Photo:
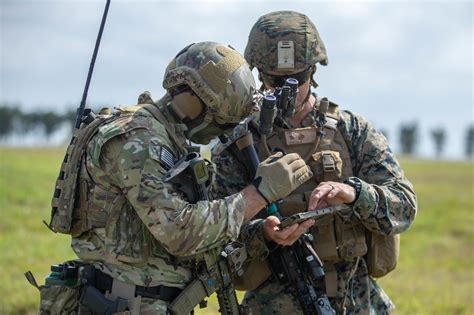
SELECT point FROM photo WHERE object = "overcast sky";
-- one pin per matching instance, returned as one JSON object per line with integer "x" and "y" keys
{"x": 393, "y": 62}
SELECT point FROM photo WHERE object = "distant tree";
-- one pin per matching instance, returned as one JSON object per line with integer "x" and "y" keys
{"x": 69, "y": 117}
{"x": 15, "y": 121}
{"x": 8, "y": 118}
{"x": 51, "y": 122}
{"x": 470, "y": 142}
{"x": 439, "y": 137}
{"x": 409, "y": 138}
{"x": 29, "y": 121}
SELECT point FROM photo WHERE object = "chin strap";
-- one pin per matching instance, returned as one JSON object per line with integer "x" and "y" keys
{"x": 205, "y": 123}
{"x": 313, "y": 83}
{"x": 304, "y": 102}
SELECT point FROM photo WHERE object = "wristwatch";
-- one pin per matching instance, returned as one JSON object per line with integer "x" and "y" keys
{"x": 354, "y": 182}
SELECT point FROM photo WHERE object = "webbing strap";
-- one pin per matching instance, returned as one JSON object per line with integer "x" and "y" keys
{"x": 330, "y": 280}
{"x": 31, "y": 279}
{"x": 330, "y": 130}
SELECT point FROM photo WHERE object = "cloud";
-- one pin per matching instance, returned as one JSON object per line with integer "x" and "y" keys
{"x": 389, "y": 61}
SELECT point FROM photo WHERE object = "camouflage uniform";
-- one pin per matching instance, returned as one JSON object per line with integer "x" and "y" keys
{"x": 281, "y": 44}
{"x": 127, "y": 220}
{"x": 147, "y": 222}
{"x": 387, "y": 205}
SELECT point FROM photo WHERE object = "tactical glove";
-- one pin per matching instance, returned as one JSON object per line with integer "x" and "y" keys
{"x": 279, "y": 175}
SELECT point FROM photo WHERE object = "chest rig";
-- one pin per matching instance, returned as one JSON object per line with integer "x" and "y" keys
{"x": 337, "y": 237}
{"x": 80, "y": 204}
{"x": 328, "y": 156}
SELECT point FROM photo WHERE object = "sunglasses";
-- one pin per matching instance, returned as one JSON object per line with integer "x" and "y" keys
{"x": 279, "y": 80}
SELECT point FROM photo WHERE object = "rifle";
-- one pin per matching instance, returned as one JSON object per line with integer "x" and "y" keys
{"x": 213, "y": 268}
{"x": 297, "y": 266}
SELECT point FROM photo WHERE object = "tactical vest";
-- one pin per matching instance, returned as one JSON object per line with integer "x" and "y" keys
{"x": 66, "y": 192}
{"x": 338, "y": 237}
{"x": 80, "y": 205}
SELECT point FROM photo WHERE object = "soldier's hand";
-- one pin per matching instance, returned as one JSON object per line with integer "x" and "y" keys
{"x": 279, "y": 175}
{"x": 331, "y": 193}
{"x": 288, "y": 235}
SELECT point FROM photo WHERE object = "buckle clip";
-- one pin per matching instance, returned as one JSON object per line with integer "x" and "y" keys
{"x": 328, "y": 162}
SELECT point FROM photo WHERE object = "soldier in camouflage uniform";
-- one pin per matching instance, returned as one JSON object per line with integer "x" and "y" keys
{"x": 138, "y": 230}
{"x": 352, "y": 164}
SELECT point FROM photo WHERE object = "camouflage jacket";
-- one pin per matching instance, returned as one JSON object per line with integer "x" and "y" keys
{"x": 144, "y": 223}
{"x": 386, "y": 205}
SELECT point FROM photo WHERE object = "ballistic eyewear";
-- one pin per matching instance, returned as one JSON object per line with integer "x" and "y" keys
{"x": 279, "y": 80}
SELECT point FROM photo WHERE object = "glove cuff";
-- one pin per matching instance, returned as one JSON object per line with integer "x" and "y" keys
{"x": 256, "y": 182}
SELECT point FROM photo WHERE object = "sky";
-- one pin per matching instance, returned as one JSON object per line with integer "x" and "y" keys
{"x": 394, "y": 62}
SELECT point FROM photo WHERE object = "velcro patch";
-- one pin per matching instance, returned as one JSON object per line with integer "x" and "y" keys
{"x": 167, "y": 157}
{"x": 300, "y": 136}
{"x": 218, "y": 74}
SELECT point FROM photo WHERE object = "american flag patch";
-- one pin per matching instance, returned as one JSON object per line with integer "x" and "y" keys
{"x": 167, "y": 157}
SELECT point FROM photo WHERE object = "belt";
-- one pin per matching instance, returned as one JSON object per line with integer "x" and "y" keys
{"x": 103, "y": 282}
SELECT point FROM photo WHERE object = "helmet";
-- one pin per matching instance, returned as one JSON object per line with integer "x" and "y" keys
{"x": 218, "y": 75}
{"x": 284, "y": 42}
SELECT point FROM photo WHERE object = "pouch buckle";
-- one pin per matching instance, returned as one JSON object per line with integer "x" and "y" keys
{"x": 328, "y": 162}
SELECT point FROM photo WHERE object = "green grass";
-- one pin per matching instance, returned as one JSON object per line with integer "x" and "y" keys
{"x": 27, "y": 178}
{"x": 435, "y": 274}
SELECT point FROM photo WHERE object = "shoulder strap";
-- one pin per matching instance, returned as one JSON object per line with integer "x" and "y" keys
{"x": 332, "y": 118}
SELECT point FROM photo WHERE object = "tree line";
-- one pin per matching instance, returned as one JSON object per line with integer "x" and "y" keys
{"x": 409, "y": 137}
{"x": 14, "y": 121}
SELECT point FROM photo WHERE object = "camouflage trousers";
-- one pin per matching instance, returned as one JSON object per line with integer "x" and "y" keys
{"x": 360, "y": 295}
{"x": 150, "y": 307}
{"x": 55, "y": 300}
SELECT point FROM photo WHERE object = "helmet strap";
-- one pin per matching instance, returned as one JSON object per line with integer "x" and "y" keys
{"x": 313, "y": 83}
{"x": 203, "y": 124}
{"x": 304, "y": 102}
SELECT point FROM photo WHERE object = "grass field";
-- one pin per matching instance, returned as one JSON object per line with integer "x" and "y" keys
{"x": 435, "y": 274}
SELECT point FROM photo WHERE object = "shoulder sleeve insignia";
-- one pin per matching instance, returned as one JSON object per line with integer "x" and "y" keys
{"x": 167, "y": 157}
